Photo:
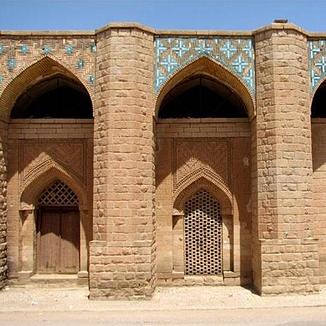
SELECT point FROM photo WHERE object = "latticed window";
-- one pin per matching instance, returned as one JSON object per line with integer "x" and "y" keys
{"x": 58, "y": 194}
{"x": 203, "y": 235}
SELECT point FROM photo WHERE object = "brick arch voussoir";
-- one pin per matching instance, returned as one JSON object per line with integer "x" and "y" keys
{"x": 214, "y": 69}
{"x": 39, "y": 68}
{"x": 43, "y": 178}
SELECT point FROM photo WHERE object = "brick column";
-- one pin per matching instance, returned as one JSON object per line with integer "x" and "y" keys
{"x": 3, "y": 205}
{"x": 285, "y": 251}
{"x": 122, "y": 256}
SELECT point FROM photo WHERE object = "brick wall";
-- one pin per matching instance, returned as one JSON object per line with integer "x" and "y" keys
{"x": 3, "y": 206}
{"x": 319, "y": 190}
{"x": 50, "y": 129}
{"x": 123, "y": 257}
{"x": 284, "y": 163}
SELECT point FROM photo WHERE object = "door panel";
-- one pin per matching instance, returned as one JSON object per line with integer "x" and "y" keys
{"x": 58, "y": 241}
{"x": 69, "y": 262}
{"x": 49, "y": 241}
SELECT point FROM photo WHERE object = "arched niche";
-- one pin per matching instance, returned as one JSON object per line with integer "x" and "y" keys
{"x": 53, "y": 97}
{"x": 218, "y": 80}
{"x": 29, "y": 205}
{"x": 230, "y": 222}
{"x": 43, "y": 69}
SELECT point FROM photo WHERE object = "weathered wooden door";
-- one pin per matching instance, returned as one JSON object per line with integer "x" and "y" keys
{"x": 58, "y": 239}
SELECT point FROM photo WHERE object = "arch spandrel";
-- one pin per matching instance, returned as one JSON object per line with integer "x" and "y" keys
{"x": 207, "y": 66}
{"x": 41, "y": 67}
{"x": 235, "y": 55}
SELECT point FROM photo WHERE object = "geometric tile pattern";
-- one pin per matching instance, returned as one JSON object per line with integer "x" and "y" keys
{"x": 15, "y": 55}
{"x": 236, "y": 54}
{"x": 317, "y": 62}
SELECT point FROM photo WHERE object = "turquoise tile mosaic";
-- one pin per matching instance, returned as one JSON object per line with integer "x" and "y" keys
{"x": 69, "y": 49}
{"x": 91, "y": 79}
{"x": 11, "y": 64}
{"x": 80, "y": 63}
{"x": 47, "y": 49}
{"x": 317, "y": 62}
{"x": 23, "y": 49}
{"x": 172, "y": 54}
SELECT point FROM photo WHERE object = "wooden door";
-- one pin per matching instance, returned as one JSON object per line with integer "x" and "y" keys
{"x": 58, "y": 239}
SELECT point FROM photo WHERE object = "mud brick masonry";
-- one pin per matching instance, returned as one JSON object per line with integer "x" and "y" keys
{"x": 132, "y": 157}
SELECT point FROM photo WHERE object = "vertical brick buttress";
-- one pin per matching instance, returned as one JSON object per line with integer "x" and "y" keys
{"x": 122, "y": 256}
{"x": 285, "y": 253}
{"x": 3, "y": 205}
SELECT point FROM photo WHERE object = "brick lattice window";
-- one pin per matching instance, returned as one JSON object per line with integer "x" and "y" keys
{"x": 58, "y": 194}
{"x": 203, "y": 235}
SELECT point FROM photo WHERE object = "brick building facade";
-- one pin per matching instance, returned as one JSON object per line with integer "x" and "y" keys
{"x": 132, "y": 157}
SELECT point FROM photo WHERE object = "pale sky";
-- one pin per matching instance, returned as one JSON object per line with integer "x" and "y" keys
{"x": 160, "y": 14}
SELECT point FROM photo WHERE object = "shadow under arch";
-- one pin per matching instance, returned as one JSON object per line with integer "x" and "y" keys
{"x": 213, "y": 69}
{"x": 41, "y": 68}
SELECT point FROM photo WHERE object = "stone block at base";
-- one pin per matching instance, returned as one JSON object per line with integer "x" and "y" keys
{"x": 289, "y": 266}
{"x": 121, "y": 272}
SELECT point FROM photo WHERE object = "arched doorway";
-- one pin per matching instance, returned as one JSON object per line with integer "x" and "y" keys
{"x": 203, "y": 133}
{"x": 57, "y": 230}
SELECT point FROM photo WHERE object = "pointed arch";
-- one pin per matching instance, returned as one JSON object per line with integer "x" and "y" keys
{"x": 214, "y": 70}
{"x": 41, "y": 68}
{"x": 215, "y": 188}
{"x": 43, "y": 178}
{"x": 318, "y": 99}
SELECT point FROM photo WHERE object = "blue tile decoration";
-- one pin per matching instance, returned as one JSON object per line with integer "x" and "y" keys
{"x": 91, "y": 79}
{"x": 80, "y": 63}
{"x": 93, "y": 47}
{"x": 69, "y": 49}
{"x": 19, "y": 53}
{"x": 236, "y": 54}
{"x": 317, "y": 62}
{"x": 46, "y": 49}
{"x": 23, "y": 49}
{"x": 11, "y": 64}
